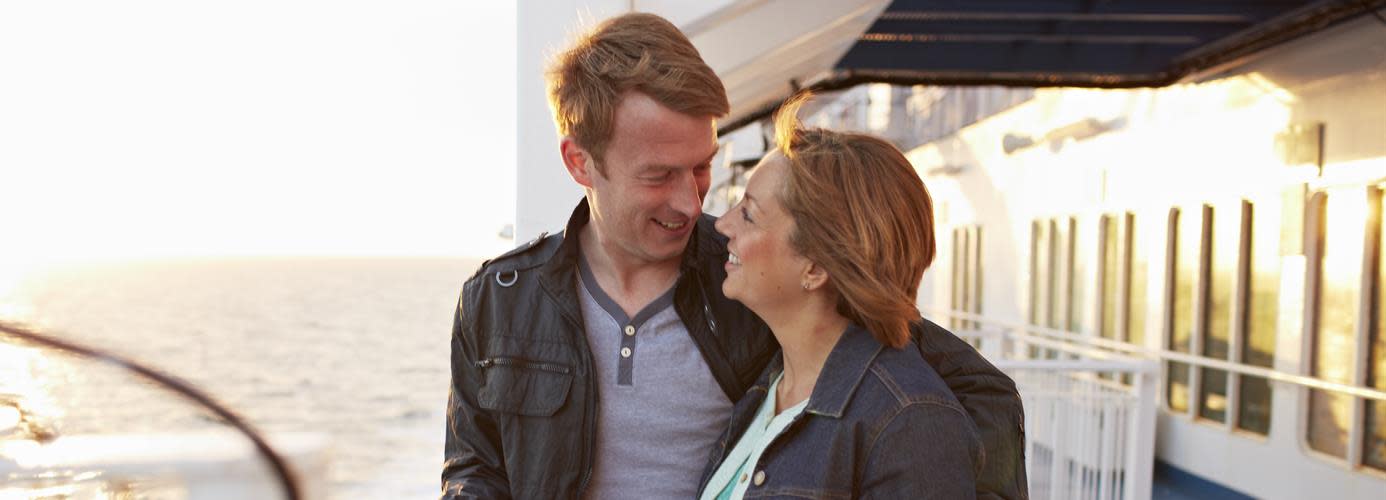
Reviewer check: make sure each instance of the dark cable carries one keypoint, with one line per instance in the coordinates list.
(183, 389)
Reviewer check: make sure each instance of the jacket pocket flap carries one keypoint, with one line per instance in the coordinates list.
(523, 387)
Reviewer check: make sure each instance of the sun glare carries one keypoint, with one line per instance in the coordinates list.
(337, 129)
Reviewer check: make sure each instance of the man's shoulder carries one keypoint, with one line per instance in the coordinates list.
(510, 270)
(964, 369)
(937, 343)
(507, 274)
(528, 255)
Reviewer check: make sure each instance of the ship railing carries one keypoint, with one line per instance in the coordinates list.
(1032, 337)
(1089, 413)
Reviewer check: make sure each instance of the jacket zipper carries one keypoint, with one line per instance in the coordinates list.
(591, 423)
(522, 363)
(707, 310)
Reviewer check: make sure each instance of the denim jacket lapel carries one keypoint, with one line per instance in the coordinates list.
(842, 373)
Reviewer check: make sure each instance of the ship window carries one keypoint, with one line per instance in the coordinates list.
(1342, 218)
(1060, 271)
(955, 298)
(1374, 447)
(967, 274)
(1055, 277)
(1077, 278)
(1040, 263)
(1224, 268)
(1110, 271)
(1137, 237)
(1350, 247)
(974, 270)
(1222, 252)
(1263, 308)
(1123, 279)
(1186, 231)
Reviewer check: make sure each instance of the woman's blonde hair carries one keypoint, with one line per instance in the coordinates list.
(862, 214)
(639, 52)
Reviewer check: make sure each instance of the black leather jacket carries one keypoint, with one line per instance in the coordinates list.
(522, 403)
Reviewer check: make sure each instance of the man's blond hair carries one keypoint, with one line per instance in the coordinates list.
(632, 52)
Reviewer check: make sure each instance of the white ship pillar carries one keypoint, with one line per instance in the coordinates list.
(544, 193)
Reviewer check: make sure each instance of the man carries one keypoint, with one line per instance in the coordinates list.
(603, 362)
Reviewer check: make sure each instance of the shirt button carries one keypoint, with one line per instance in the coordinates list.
(625, 352)
(743, 477)
(760, 478)
(630, 330)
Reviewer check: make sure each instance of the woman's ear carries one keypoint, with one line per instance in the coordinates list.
(814, 277)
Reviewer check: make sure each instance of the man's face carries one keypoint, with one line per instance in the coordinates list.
(656, 170)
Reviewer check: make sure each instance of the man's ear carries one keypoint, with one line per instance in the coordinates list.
(580, 164)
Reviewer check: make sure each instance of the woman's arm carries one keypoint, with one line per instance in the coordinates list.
(926, 450)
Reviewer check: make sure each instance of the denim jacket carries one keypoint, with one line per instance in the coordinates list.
(880, 423)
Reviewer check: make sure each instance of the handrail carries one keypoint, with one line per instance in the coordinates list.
(1075, 364)
(184, 389)
(1039, 332)
(1118, 361)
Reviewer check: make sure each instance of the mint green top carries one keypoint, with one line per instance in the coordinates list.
(731, 479)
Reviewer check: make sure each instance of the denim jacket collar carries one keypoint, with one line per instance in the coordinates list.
(842, 373)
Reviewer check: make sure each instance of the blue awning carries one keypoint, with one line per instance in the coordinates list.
(1070, 43)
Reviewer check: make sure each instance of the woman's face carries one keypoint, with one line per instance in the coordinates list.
(763, 270)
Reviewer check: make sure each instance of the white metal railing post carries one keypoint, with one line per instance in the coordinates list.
(1140, 467)
(992, 341)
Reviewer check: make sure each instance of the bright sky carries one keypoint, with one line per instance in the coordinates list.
(286, 127)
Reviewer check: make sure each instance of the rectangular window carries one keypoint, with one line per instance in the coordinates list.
(974, 269)
(959, 275)
(1263, 307)
(1077, 279)
(1060, 262)
(1123, 280)
(1034, 271)
(967, 274)
(1374, 445)
(1186, 233)
(1110, 271)
(1342, 218)
(1137, 303)
(1223, 252)
(1041, 285)
(1037, 260)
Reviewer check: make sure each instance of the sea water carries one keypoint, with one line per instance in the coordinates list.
(353, 348)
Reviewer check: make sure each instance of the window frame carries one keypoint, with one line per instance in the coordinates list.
(1367, 315)
(966, 279)
(1244, 208)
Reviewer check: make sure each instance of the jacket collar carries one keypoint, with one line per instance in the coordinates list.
(559, 275)
(566, 260)
(843, 372)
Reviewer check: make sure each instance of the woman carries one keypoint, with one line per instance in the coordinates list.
(828, 246)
